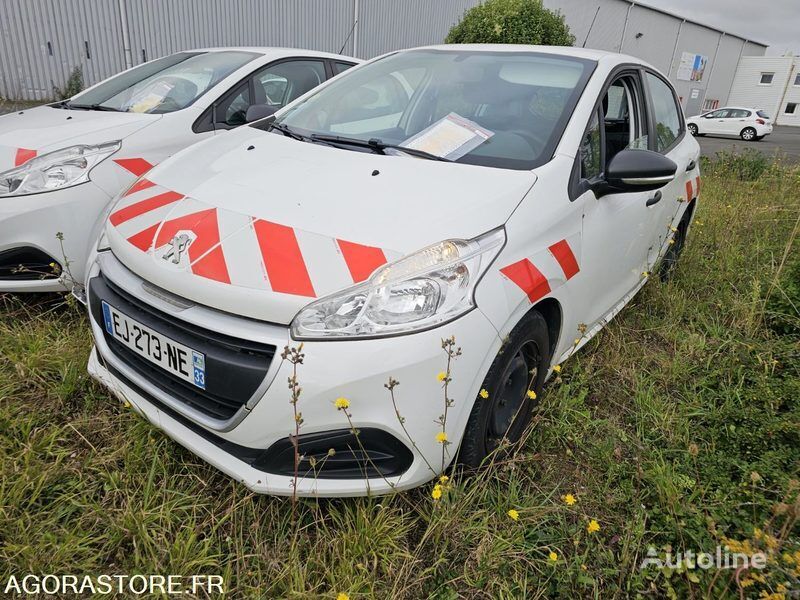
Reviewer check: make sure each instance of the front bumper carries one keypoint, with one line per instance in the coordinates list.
(356, 370)
(29, 228)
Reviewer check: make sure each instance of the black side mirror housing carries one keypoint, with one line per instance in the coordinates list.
(637, 171)
(259, 111)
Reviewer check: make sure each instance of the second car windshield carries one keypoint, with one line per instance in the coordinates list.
(163, 85)
(518, 102)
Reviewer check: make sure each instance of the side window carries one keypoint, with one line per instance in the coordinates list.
(280, 84)
(666, 116)
(590, 150)
(340, 67)
(232, 109)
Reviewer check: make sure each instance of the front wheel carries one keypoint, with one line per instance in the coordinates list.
(693, 129)
(748, 134)
(514, 383)
(670, 260)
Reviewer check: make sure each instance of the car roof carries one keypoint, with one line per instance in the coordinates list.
(587, 53)
(735, 108)
(275, 52)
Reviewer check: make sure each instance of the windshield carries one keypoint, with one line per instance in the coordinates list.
(163, 85)
(499, 109)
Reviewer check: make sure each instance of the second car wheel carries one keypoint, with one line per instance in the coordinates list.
(748, 134)
(514, 383)
(693, 129)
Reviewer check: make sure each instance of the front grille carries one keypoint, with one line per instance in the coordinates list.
(27, 264)
(235, 368)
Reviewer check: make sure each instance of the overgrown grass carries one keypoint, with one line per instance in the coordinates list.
(677, 427)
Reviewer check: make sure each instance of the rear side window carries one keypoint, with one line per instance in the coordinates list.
(762, 114)
(340, 67)
(665, 113)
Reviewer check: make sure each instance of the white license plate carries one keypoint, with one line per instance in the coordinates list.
(173, 357)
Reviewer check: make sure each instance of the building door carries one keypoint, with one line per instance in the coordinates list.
(694, 102)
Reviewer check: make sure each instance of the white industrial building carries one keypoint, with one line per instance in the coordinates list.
(771, 83)
(699, 59)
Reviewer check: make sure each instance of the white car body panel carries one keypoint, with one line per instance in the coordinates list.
(586, 256)
(77, 211)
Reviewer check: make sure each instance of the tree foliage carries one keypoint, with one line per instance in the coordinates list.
(511, 22)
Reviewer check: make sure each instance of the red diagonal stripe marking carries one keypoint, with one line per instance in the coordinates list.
(528, 278)
(23, 155)
(689, 194)
(143, 239)
(361, 260)
(282, 258)
(138, 186)
(143, 206)
(212, 265)
(566, 259)
(137, 166)
(697, 184)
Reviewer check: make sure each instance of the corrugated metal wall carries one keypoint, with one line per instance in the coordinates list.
(41, 41)
(749, 91)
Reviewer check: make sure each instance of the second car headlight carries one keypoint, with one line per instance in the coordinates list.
(422, 290)
(55, 170)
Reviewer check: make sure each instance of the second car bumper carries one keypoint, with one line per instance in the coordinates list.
(29, 234)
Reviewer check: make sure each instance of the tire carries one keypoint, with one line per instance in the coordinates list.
(748, 134)
(666, 269)
(521, 365)
(693, 129)
(759, 138)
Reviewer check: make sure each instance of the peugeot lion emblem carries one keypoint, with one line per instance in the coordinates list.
(177, 246)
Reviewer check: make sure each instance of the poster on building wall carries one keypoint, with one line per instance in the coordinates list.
(691, 67)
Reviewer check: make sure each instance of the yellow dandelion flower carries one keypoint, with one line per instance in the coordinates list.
(52, 265)
(483, 394)
(441, 437)
(436, 492)
(671, 242)
(342, 596)
(531, 394)
(342, 403)
(514, 514)
(593, 526)
(441, 376)
(552, 556)
(645, 273)
(569, 499)
(557, 369)
(781, 589)
(444, 479)
(584, 568)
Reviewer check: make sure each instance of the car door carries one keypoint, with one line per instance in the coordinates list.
(667, 121)
(617, 227)
(715, 122)
(739, 119)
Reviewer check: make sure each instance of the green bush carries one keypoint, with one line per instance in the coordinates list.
(511, 22)
(748, 165)
(73, 85)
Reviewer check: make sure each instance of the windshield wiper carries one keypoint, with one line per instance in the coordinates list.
(376, 145)
(287, 131)
(100, 107)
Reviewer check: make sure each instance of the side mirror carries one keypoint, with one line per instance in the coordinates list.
(259, 111)
(638, 171)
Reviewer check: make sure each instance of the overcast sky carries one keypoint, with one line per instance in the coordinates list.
(774, 22)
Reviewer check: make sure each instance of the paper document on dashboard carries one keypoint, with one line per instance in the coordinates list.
(450, 137)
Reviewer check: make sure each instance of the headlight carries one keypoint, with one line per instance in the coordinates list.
(420, 291)
(54, 170)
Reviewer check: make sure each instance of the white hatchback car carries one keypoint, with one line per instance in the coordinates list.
(750, 124)
(62, 163)
(514, 197)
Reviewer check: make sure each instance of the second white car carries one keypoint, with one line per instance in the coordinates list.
(750, 124)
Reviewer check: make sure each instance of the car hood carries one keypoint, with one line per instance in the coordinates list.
(43, 129)
(257, 224)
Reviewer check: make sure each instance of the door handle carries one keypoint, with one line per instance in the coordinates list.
(655, 199)
(692, 164)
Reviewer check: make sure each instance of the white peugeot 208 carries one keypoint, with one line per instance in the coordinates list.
(61, 164)
(513, 198)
